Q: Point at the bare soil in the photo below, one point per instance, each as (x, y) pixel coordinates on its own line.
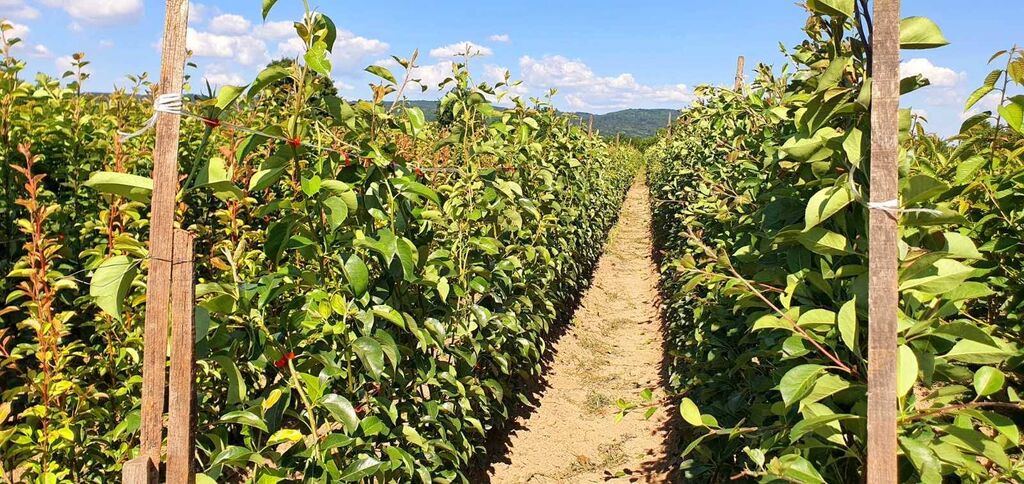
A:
(612, 351)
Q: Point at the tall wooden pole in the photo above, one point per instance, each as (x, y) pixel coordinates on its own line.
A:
(590, 129)
(669, 125)
(161, 234)
(740, 63)
(181, 400)
(883, 295)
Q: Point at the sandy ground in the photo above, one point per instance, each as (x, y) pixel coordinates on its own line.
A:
(613, 350)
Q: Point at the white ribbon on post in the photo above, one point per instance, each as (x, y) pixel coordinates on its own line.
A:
(164, 103)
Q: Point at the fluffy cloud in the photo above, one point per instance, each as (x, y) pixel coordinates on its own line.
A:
(17, 31)
(100, 12)
(17, 9)
(246, 49)
(503, 38)
(230, 24)
(939, 76)
(459, 49)
(585, 90)
(275, 30)
(218, 75)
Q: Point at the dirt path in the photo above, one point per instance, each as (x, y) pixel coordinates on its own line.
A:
(612, 351)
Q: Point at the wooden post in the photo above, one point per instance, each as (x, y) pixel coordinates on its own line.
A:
(140, 470)
(165, 186)
(181, 401)
(590, 129)
(883, 295)
(669, 125)
(739, 73)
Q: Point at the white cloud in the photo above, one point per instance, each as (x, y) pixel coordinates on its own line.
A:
(246, 49)
(275, 30)
(503, 38)
(218, 75)
(40, 50)
(938, 76)
(100, 12)
(350, 50)
(459, 49)
(106, 43)
(229, 24)
(197, 12)
(587, 91)
(17, 30)
(17, 9)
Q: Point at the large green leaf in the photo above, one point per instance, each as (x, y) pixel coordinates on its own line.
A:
(316, 59)
(969, 351)
(111, 282)
(988, 380)
(1013, 113)
(370, 353)
(132, 187)
(906, 370)
(798, 382)
(342, 410)
(357, 274)
(840, 8)
(824, 204)
(921, 33)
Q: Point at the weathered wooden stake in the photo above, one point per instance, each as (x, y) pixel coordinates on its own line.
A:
(590, 129)
(739, 73)
(883, 299)
(181, 401)
(669, 125)
(158, 289)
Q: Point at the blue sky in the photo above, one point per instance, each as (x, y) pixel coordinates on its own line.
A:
(602, 55)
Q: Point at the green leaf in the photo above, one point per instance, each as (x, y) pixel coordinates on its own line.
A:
(834, 8)
(369, 352)
(357, 274)
(1013, 113)
(236, 385)
(362, 467)
(824, 242)
(824, 204)
(988, 380)
(133, 187)
(906, 370)
(848, 325)
(267, 5)
(811, 424)
(966, 169)
(316, 59)
(284, 435)
(798, 382)
(342, 411)
(382, 73)
(935, 278)
(231, 455)
(921, 33)
(278, 235)
(977, 95)
(921, 188)
(796, 468)
(262, 179)
(111, 282)
(244, 417)
(267, 77)
(969, 351)
(337, 211)
(690, 413)
(960, 246)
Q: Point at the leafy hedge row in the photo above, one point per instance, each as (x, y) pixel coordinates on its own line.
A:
(759, 209)
(366, 311)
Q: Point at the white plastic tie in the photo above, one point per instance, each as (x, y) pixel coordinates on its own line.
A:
(164, 103)
(893, 207)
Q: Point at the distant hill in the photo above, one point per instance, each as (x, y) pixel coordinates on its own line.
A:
(631, 123)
